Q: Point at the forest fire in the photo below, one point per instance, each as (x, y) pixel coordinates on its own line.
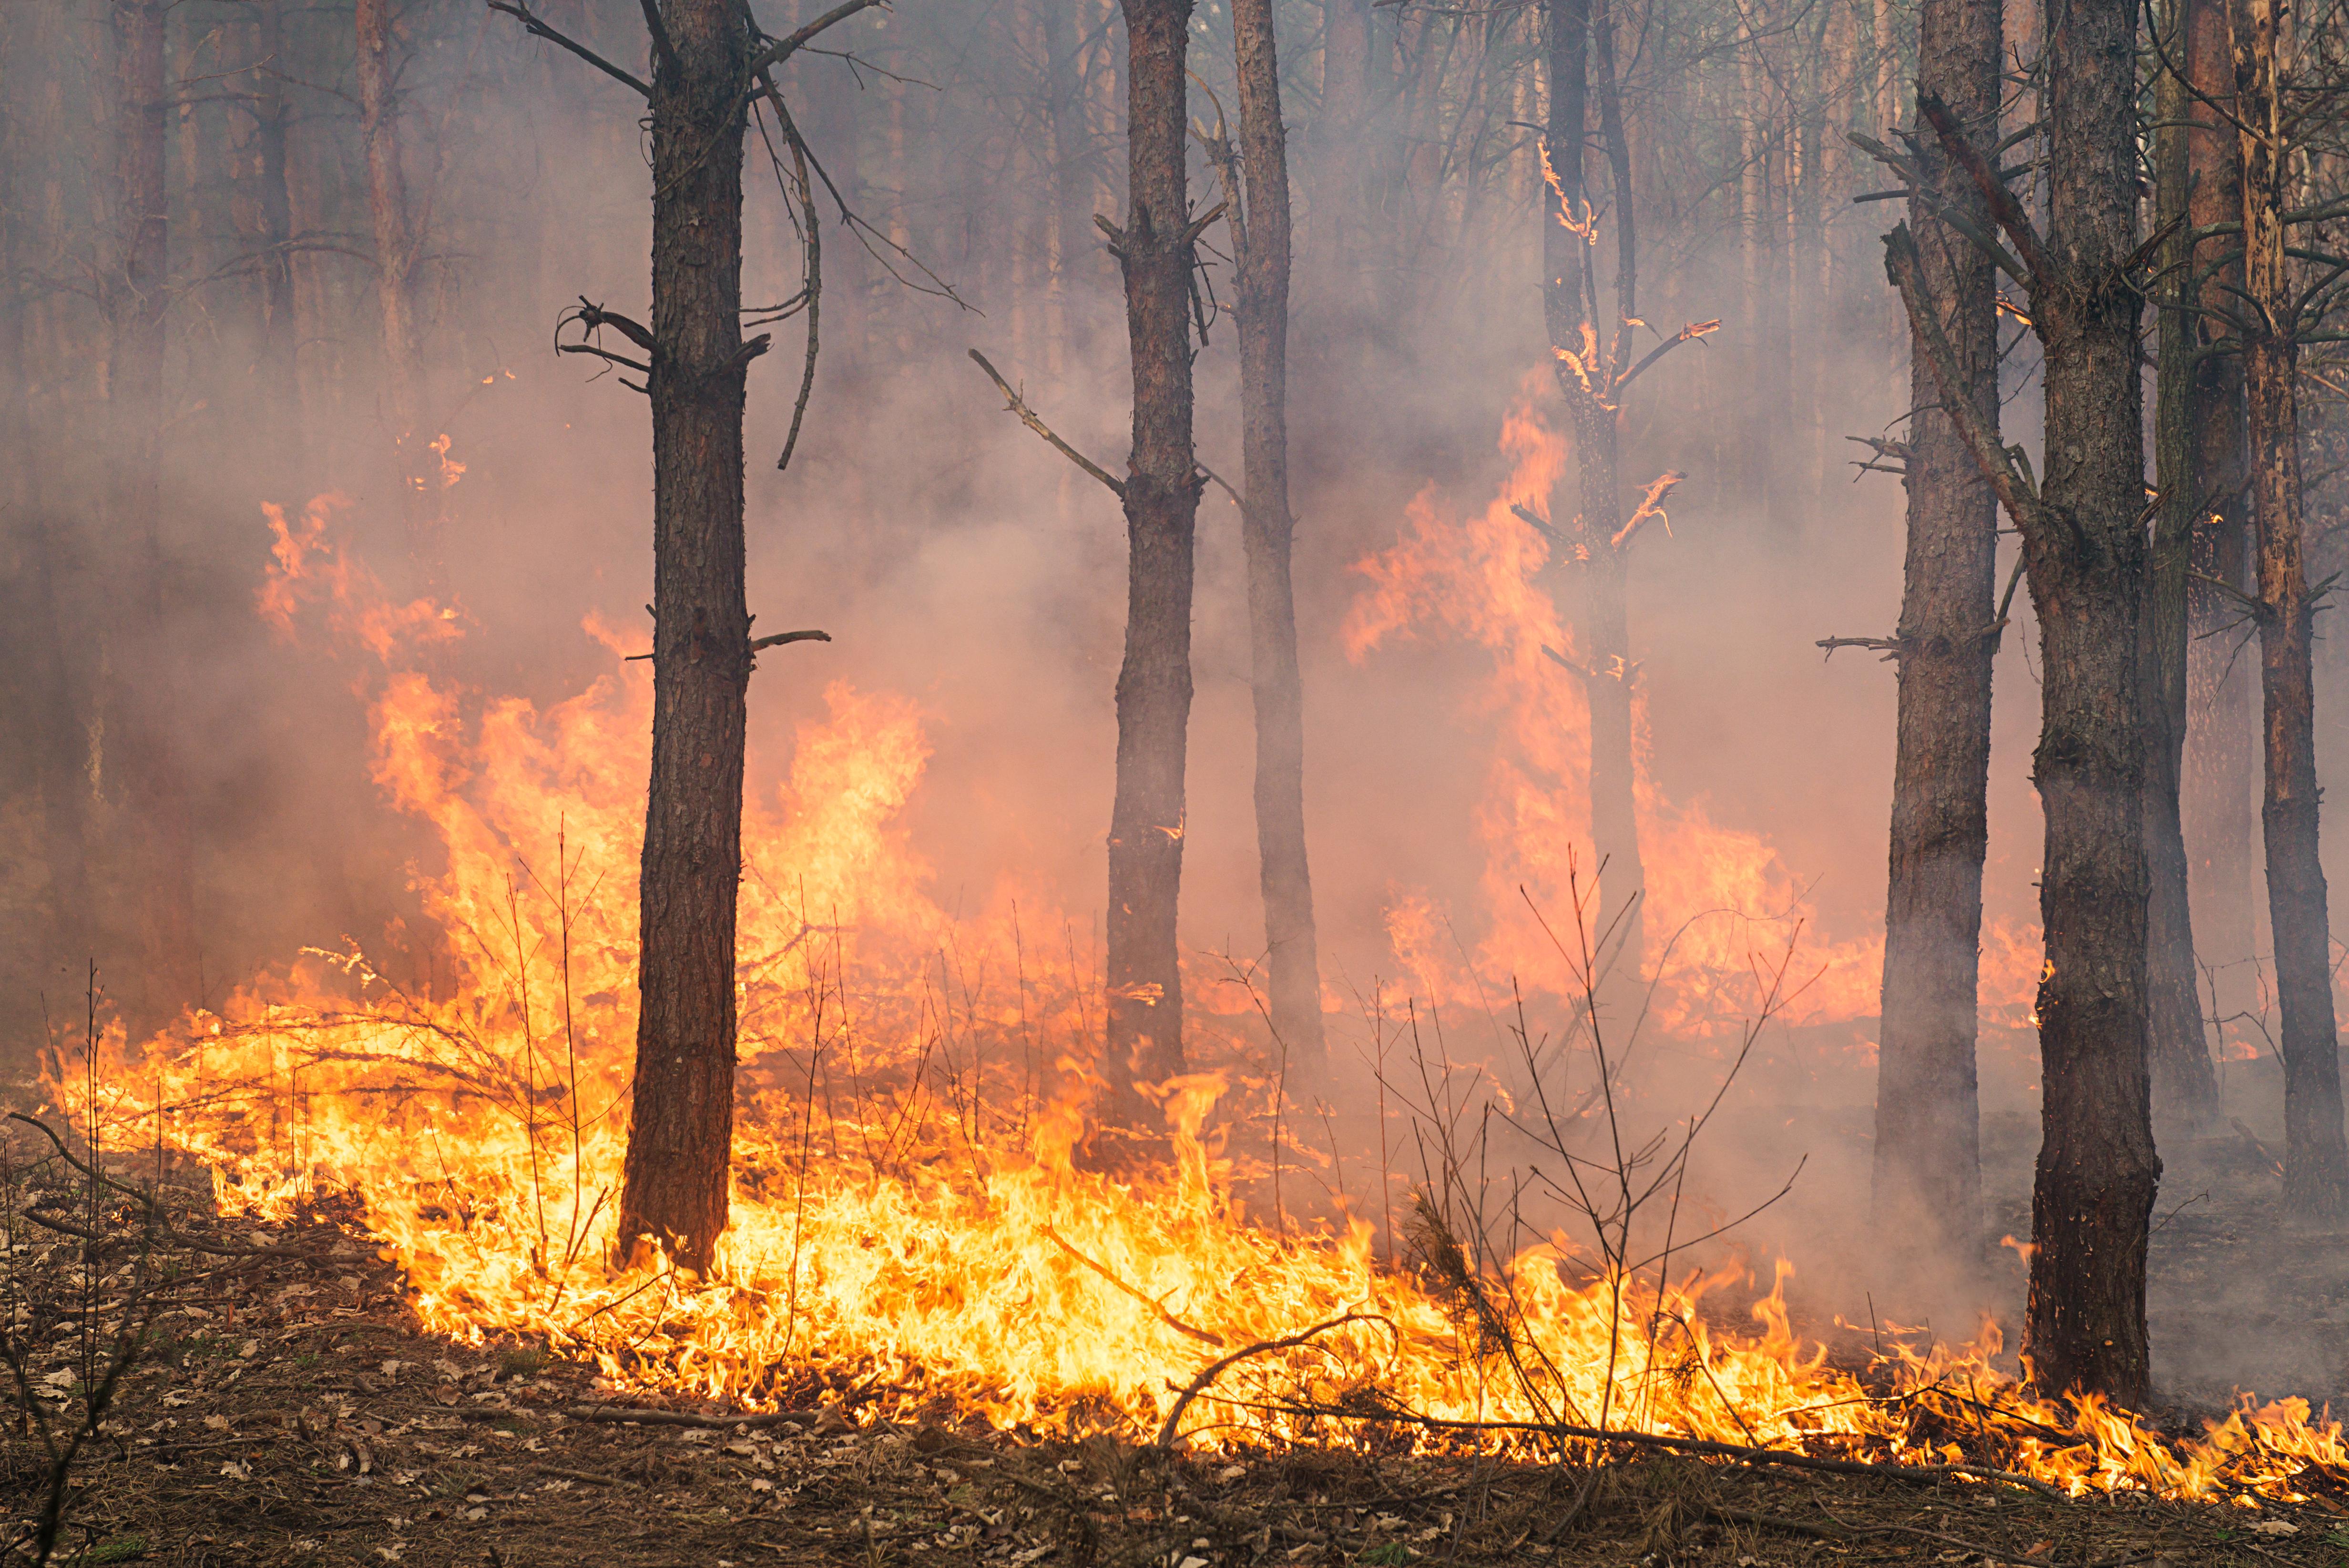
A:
(1223, 914)
(912, 1222)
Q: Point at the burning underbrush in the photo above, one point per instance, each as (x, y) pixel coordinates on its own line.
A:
(920, 1227)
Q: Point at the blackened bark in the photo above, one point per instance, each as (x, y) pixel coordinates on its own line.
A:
(2316, 1157)
(1262, 236)
(1928, 1151)
(2093, 1196)
(681, 1137)
(1589, 363)
(2184, 1089)
(1162, 503)
(141, 705)
(395, 254)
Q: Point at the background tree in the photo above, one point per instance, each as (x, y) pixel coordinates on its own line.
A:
(1927, 1154)
(2084, 549)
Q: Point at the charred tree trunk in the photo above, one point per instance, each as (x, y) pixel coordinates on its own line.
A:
(2316, 1157)
(395, 254)
(2085, 550)
(681, 1137)
(2184, 1089)
(1162, 503)
(141, 681)
(1927, 1157)
(1261, 230)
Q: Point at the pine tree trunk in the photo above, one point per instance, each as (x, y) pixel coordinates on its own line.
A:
(1927, 1159)
(1162, 502)
(2184, 1089)
(394, 252)
(2316, 1157)
(142, 704)
(2093, 1197)
(2221, 763)
(1266, 528)
(681, 1137)
(1600, 563)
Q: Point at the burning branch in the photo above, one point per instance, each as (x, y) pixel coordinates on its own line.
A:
(1650, 506)
(1167, 1429)
(1015, 403)
(1165, 1316)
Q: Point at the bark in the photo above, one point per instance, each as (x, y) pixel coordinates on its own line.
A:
(1928, 1156)
(271, 115)
(2092, 1195)
(142, 682)
(394, 256)
(1162, 502)
(1589, 363)
(2316, 1157)
(2184, 1089)
(2221, 763)
(1263, 257)
(681, 1137)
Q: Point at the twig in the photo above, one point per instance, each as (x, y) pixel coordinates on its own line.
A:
(1028, 417)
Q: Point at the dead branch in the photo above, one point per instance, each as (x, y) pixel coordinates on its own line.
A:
(1891, 647)
(538, 29)
(780, 639)
(629, 1413)
(1650, 506)
(1531, 520)
(2006, 472)
(2003, 205)
(1015, 403)
(1209, 1373)
(1928, 1475)
(1689, 333)
(776, 53)
(1165, 1316)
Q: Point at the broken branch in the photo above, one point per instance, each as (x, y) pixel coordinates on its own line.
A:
(1015, 403)
(538, 29)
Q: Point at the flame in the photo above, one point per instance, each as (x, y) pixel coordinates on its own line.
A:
(909, 1223)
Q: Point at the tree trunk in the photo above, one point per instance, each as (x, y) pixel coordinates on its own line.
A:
(2083, 546)
(395, 255)
(1587, 368)
(142, 682)
(2093, 1197)
(2184, 1089)
(1263, 258)
(1927, 1155)
(2316, 1157)
(279, 340)
(681, 1137)
(2220, 768)
(1162, 502)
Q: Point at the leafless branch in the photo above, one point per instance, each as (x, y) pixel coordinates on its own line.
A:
(537, 28)
(1028, 417)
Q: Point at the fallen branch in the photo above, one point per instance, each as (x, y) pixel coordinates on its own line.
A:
(1214, 1369)
(628, 1413)
(1890, 1470)
(1165, 1316)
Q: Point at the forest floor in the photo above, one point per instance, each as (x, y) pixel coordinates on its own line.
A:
(286, 1409)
